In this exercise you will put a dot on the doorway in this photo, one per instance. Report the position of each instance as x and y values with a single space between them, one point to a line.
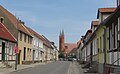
3 51
19 54
33 56
24 54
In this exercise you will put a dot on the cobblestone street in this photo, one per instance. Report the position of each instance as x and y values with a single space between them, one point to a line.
59 67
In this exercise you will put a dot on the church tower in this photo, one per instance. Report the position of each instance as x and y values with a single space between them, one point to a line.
61 41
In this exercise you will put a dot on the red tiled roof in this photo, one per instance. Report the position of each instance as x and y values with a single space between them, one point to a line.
5 34
70 47
35 33
94 23
103 10
14 20
88 32
78 42
46 42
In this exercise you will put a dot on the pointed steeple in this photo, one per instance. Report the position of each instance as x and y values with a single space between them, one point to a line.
62 32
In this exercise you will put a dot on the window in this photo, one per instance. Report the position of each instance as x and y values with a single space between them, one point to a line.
1 19
110 38
10 50
115 34
20 36
98 45
40 44
28 39
28 52
34 41
37 43
25 37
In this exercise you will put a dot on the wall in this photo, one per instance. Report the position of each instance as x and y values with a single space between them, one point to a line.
21 45
10 57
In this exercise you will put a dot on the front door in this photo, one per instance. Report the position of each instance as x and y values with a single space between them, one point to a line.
33 56
19 54
24 54
3 51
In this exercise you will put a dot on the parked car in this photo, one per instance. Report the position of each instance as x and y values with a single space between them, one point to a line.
70 59
74 59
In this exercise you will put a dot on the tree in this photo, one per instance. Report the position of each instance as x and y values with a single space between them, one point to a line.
61 55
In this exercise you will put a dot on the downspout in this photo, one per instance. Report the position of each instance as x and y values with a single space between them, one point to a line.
118 37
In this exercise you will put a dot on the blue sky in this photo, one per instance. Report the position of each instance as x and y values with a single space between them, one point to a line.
48 17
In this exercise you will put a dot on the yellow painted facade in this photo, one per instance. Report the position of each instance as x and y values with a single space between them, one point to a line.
24 44
107 44
100 44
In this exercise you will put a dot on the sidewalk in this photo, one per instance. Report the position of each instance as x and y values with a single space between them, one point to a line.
19 67
75 68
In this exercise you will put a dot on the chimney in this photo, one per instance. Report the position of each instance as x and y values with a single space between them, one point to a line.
21 21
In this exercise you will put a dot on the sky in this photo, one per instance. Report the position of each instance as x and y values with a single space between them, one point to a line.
49 17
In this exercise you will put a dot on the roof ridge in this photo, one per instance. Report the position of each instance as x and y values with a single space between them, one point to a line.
6 12
14 20
107 7
26 28
36 33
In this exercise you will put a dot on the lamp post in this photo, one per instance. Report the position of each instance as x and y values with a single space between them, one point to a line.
16 53
16 47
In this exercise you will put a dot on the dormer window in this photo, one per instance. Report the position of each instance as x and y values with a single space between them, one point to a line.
1 19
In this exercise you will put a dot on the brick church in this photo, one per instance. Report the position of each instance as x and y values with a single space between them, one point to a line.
65 48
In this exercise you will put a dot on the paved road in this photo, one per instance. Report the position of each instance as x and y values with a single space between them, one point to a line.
60 67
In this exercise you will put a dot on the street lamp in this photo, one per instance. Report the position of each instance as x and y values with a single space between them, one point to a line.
16 53
16 47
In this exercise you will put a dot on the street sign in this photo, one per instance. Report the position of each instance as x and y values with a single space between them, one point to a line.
16 49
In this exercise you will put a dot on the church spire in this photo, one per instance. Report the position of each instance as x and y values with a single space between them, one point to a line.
62 32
